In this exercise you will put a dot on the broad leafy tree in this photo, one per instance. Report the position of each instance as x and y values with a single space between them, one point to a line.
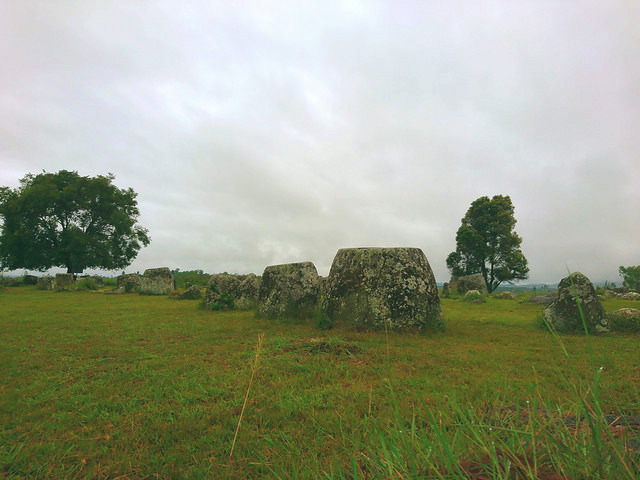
630 277
487 243
66 220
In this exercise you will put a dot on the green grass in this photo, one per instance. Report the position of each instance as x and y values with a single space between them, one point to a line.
107 386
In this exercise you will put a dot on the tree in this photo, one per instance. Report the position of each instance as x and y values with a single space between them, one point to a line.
630 277
66 220
486 243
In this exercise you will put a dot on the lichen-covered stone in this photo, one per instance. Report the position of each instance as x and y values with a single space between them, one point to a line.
116 291
64 281
563 313
631 296
46 283
472 282
246 297
473 296
323 284
453 285
506 295
129 282
210 300
226 283
291 290
191 293
378 288
157 281
625 320
542 299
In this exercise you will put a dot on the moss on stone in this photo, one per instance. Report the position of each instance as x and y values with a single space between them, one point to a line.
290 290
378 288
564 314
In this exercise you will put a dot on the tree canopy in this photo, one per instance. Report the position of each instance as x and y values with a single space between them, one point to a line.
630 277
487 243
66 220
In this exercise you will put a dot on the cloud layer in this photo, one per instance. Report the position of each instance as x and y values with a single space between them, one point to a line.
281 132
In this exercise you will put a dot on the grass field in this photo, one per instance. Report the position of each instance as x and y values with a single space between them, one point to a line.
129 386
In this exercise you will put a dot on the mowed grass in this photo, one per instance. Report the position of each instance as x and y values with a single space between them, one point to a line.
129 386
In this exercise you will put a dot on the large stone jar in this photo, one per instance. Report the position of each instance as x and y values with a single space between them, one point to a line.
157 281
472 282
563 313
378 288
290 290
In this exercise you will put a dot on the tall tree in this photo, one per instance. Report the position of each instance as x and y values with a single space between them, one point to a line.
66 220
630 277
487 243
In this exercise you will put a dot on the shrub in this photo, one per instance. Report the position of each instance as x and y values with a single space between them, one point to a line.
322 320
86 284
223 302
194 277
11 281
129 287
29 279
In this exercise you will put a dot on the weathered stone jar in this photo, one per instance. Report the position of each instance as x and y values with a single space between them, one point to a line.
472 282
157 281
46 283
64 281
129 282
225 283
378 288
563 313
291 290
247 293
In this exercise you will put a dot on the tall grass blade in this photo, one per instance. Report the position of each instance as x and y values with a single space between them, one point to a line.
246 397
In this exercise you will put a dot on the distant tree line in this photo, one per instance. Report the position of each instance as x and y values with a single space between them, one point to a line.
194 277
66 220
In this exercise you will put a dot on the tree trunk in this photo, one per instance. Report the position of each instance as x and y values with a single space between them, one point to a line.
70 270
483 270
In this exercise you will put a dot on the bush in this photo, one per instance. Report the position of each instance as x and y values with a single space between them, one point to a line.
86 284
322 320
223 302
11 281
194 277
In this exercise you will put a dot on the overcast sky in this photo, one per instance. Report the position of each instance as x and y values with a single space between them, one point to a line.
276 132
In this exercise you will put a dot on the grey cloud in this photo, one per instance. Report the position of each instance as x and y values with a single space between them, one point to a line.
282 132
